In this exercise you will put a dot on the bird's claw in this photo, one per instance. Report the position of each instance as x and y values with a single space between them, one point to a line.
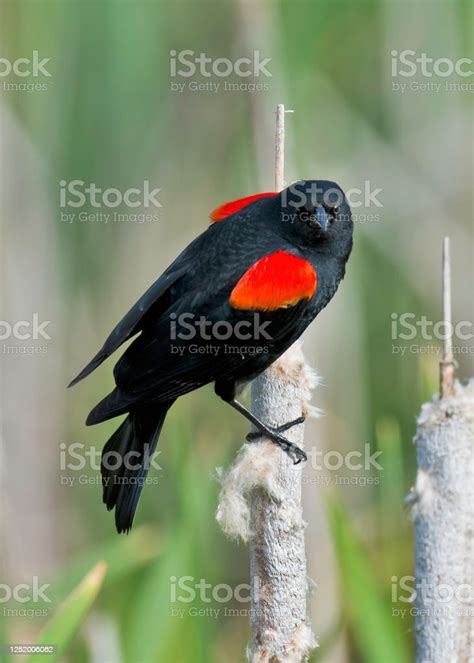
296 454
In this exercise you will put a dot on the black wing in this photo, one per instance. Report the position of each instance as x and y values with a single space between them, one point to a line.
149 370
191 266
192 263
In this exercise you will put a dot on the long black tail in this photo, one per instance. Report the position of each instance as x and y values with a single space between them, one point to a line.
126 458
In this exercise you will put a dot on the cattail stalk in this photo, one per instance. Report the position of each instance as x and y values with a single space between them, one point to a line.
443 509
261 501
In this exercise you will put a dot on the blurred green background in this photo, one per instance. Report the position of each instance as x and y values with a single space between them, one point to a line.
108 114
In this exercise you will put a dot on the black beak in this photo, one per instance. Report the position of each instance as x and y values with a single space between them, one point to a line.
319 220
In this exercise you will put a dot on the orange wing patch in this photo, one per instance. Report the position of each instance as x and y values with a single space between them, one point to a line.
276 281
227 209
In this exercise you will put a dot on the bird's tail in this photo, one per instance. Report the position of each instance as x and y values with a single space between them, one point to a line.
126 459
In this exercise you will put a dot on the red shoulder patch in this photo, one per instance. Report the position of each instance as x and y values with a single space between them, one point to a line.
276 281
225 210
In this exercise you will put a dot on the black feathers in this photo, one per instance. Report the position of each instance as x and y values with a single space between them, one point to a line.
126 459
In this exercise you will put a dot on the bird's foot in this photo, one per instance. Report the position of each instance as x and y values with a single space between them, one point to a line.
255 435
296 454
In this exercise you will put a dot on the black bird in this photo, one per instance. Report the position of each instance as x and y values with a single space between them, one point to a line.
229 305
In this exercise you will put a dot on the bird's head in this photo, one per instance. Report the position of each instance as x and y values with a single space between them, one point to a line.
315 214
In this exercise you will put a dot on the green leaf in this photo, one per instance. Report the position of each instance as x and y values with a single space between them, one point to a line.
71 614
375 631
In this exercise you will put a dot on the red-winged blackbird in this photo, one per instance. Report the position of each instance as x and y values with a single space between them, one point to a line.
247 287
